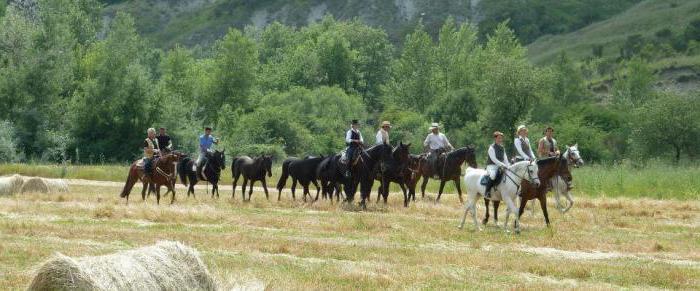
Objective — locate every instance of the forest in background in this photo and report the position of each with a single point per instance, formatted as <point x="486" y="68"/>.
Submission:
<point x="76" y="90"/>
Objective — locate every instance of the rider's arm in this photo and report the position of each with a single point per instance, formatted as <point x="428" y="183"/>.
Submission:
<point x="492" y="155"/>
<point x="214" y="140"/>
<point x="447" y="142"/>
<point x="427" y="141"/>
<point x="362" y="140"/>
<point x="541" y="150"/>
<point x="348" y="136"/>
<point x="530" y="149"/>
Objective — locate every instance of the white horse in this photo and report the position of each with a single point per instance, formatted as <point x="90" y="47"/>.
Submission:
<point x="507" y="189"/>
<point x="559" y="186"/>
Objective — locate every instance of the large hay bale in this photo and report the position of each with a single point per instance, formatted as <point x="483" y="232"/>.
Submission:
<point x="165" y="266"/>
<point x="11" y="184"/>
<point x="56" y="185"/>
<point x="34" y="184"/>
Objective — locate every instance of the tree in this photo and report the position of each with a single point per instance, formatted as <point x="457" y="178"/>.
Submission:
<point x="569" y="85"/>
<point x="634" y="85"/>
<point x="667" y="125"/>
<point x="336" y="60"/>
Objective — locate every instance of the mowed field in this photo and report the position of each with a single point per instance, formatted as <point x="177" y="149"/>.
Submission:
<point x="602" y="243"/>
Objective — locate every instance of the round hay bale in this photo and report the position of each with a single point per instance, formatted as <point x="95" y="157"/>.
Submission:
<point x="56" y="185"/>
<point x="11" y="184"/>
<point x="165" y="266"/>
<point x="34" y="184"/>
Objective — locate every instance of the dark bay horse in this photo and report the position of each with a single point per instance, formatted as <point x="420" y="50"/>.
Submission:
<point x="331" y="177"/>
<point x="163" y="174"/>
<point x="213" y="163"/>
<point x="412" y="173"/>
<point x="547" y="170"/>
<point x="449" y="169"/>
<point x="363" y="173"/>
<point x="302" y="171"/>
<point x="393" y="170"/>
<point x="252" y="169"/>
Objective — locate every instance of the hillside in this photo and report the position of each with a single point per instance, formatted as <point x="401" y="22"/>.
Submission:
<point x="199" y="22"/>
<point x="645" y="18"/>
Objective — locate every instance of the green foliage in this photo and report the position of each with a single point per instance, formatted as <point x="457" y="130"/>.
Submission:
<point x="634" y="85"/>
<point x="8" y="150"/>
<point x="667" y="126"/>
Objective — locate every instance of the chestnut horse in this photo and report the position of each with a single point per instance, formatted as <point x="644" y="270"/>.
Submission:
<point x="163" y="174"/>
<point x="550" y="169"/>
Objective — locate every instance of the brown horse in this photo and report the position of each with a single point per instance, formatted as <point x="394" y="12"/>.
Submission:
<point x="163" y="174"/>
<point x="449" y="169"/>
<point x="393" y="170"/>
<point x="412" y="173"/>
<point x="548" y="169"/>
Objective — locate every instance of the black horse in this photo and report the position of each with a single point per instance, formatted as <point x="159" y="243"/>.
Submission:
<point x="253" y="170"/>
<point x="331" y="177"/>
<point x="363" y="173"/>
<point x="210" y="171"/>
<point x="393" y="170"/>
<point x="449" y="168"/>
<point x="302" y="171"/>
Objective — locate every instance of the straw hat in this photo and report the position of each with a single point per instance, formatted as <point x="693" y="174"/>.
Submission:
<point x="386" y="123"/>
<point x="434" y="125"/>
<point x="497" y="133"/>
<point x="521" y="127"/>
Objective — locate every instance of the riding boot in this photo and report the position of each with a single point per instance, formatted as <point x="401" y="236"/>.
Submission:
<point x="489" y="185"/>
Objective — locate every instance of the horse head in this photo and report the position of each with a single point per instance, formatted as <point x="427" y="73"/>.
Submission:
<point x="401" y="152"/>
<point x="266" y="163"/>
<point x="527" y="170"/>
<point x="573" y="155"/>
<point x="470" y="156"/>
<point x="218" y="159"/>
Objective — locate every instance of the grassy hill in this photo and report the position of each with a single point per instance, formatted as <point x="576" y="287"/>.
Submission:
<point x="645" y="18"/>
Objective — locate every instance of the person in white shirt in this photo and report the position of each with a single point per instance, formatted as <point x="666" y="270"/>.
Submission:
<point x="354" y="140"/>
<point x="436" y="142"/>
<point x="383" y="133"/>
<point x="523" y="151"/>
<point x="497" y="159"/>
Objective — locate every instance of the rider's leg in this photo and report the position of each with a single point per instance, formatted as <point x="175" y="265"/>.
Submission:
<point x="492" y="171"/>
<point x="349" y="154"/>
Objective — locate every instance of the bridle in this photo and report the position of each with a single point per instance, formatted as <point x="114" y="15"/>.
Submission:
<point x="529" y="176"/>
<point x="574" y="158"/>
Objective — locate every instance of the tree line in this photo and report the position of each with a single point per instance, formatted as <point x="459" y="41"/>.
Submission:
<point x="76" y="90"/>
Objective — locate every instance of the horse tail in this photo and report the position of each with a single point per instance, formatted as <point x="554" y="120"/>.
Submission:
<point x="285" y="174"/>
<point x="130" y="181"/>
<point x="233" y="167"/>
<point x="183" y="171"/>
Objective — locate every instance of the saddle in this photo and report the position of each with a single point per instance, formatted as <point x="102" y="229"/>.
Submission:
<point x="344" y="157"/>
<point x="199" y="169"/>
<point x="436" y="160"/>
<point x="499" y="177"/>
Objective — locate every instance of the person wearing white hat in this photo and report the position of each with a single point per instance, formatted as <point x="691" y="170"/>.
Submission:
<point x="383" y="133"/>
<point x="436" y="142"/>
<point x="523" y="151"/>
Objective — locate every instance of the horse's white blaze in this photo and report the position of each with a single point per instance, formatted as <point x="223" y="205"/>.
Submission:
<point x="507" y="188"/>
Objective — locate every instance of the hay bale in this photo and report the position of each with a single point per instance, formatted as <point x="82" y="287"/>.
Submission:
<point x="56" y="185"/>
<point x="34" y="184"/>
<point x="165" y="266"/>
<point x="11" y="184"/>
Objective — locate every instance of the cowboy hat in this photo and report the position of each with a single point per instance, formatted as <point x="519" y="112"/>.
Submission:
<point x="434" y="125"/>
<point x="386" y="123"/>
<point x="355" y="121"/>
<point x="521" y="127"/>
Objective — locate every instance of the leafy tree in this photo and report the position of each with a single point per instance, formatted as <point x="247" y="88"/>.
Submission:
<point x="634" y="85"/>
<point x="569" y="85"/>
<point x="336" y="60"/>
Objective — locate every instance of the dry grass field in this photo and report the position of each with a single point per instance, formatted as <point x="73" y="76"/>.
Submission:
<point x="602" y="243"/>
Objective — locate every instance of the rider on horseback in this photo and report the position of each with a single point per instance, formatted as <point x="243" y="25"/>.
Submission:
<point x="150" y="149"/>
<point x="205" y="142"/>
<point x="438" y="144"/>
<point x="164" y="143"/>
<point x="522" y="146"/>
<point x="547" y="146"/>
<point x="383" y="133"/>
<point x="497" y="159"/>
<point x="354" y="140"/>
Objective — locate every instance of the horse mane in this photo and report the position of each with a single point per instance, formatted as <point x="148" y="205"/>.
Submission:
<point x="547" y="161"/>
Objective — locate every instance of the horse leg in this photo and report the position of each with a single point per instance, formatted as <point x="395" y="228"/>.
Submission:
<point x="543" y="205"/>
<point x="243" y="186"/>
<point x="171" y="188"/>
<point x="459" y="190"/>
<point x="158" y="196"/>
<point x="294" y="189"/>
<point x="523" y="202"/>
<point x="250" y="190"/>
<point x="235" y="182"/>
<point x="143" y="191"/>
<point x="318" y="189"/>
<point x="264" y="184"/>
<point x="496" y="204"/>
<point x="442" y="185"/>
<point x="486" y="218"/>
<point x="422" y="186"/>
<point x="511" y="209"/>
<point x="571" y="201"/>
<point x="305" y="189"/>
<point x="557" y="199"/>
<point x="379" y="190"/>
<point x="406" y="198"/>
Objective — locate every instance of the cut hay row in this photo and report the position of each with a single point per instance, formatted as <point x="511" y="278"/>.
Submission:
<point x="14" y="184"/>
<point x="166" y="265"/>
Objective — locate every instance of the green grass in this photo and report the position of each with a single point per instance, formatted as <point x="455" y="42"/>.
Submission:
<point x="656" y="180"/>
<point x="645" y="18"/>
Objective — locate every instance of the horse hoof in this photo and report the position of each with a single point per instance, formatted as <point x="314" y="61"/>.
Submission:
<point x="485" y="221"/>
<point x="517" y="231"/>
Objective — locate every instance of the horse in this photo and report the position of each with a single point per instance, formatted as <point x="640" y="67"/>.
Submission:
<point x="213" y="163"/>
<point x="302" y="171"/>
<point x="253" y="169"/>
<point x="450" y="169"/>
<point x="412" y="173"/>
<point x="163" y="174"/>
<point x="330" y="176"/>
<point x="393" y="170"/>
<point x="362" y="171"/>
<point x="573" y="157"/>
<point x="507" y="189"/>
<point x="549" y="170"/>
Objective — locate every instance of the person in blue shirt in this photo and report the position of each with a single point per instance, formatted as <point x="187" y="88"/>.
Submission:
<point x="205" y="142"/>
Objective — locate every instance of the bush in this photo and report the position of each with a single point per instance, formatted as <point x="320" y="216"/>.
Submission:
<point x="8" y="149"/>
